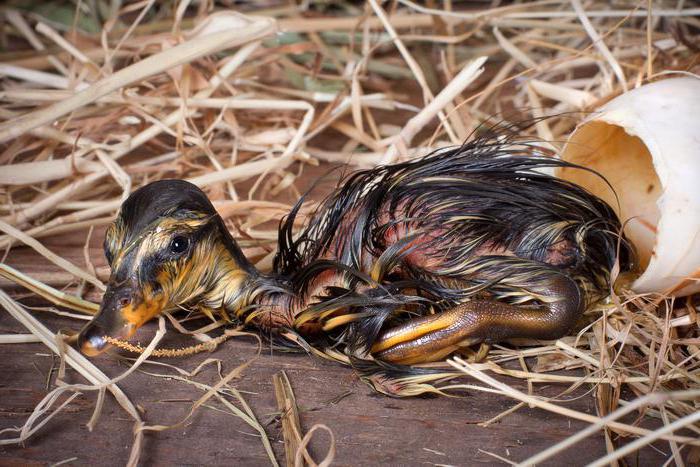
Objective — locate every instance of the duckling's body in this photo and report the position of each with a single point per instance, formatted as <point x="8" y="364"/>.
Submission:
<point x="406" y="263"/>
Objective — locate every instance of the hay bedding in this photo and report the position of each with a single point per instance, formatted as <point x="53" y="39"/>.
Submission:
<point x="99" y="98"/>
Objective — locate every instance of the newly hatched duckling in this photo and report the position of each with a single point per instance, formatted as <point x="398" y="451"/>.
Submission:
<point x="406" y="263"/>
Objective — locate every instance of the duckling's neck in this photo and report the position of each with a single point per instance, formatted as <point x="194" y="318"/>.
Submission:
<point x="266" y="302"/>
<point x="232" y="286"/>
<point x="251" y="297"/>
<point x="229" y="284"/>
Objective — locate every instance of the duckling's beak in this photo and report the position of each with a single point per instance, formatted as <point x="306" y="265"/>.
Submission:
<point x="124" y="309"/>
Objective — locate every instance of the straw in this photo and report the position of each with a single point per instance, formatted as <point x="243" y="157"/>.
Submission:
<point x="246" y="107"/>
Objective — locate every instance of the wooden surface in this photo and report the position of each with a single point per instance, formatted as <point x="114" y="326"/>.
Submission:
<point x="369" y="428"/>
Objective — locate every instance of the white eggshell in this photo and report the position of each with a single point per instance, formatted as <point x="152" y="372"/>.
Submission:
<point x="646" y="142"/>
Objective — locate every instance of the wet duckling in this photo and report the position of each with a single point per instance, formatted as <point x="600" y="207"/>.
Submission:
<point x="406" y="263"/>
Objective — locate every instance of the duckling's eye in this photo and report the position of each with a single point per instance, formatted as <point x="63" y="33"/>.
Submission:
<point x="179" y="244"/>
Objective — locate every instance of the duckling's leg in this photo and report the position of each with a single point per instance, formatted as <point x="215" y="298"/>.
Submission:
<point x="434" y="337"/>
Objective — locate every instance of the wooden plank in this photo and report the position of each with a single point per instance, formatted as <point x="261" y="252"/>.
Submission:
<point x="369" y="428"/>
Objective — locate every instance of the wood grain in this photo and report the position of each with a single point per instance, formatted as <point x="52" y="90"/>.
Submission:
<point x="369" y="428"/>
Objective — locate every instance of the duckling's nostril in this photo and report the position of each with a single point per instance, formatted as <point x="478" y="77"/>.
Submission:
<point x="96" y="342"/>
<point x="92" y="341"/>
<point x="124" y="301"/>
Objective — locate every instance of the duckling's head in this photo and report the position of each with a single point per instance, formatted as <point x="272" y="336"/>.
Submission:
<point x="167" y="247"/>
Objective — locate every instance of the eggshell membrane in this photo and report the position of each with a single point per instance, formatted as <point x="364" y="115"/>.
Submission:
<point x="646" y="143"/>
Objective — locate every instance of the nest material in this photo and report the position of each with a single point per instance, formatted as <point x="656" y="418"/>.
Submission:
<point x="222" y="100"/>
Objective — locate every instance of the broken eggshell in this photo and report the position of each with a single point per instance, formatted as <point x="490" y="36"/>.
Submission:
<point x="646" y="143"/>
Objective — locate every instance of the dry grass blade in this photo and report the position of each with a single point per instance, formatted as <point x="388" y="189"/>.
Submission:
<point x="291" y="426"/>
<point x="170" y="353"/>
<point x="600" y="44"/>
<point x="72" y="357"/>
<point x="51" y="256"/>
<point x="465" y="77"/>
<point x="509" y="391"/>
<point x="18" y="338"/>
<point x="246" y="414"/>
<point x="178" y="55"/>
<point x="49" y="293"/>
<point x="657" y="399"/>
<point x="302" y="452"/>
<point x="296" y="446"/>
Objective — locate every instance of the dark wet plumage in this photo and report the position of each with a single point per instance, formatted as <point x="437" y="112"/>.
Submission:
<point x="402" y="264"/>
<point x="478" y="220"/>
